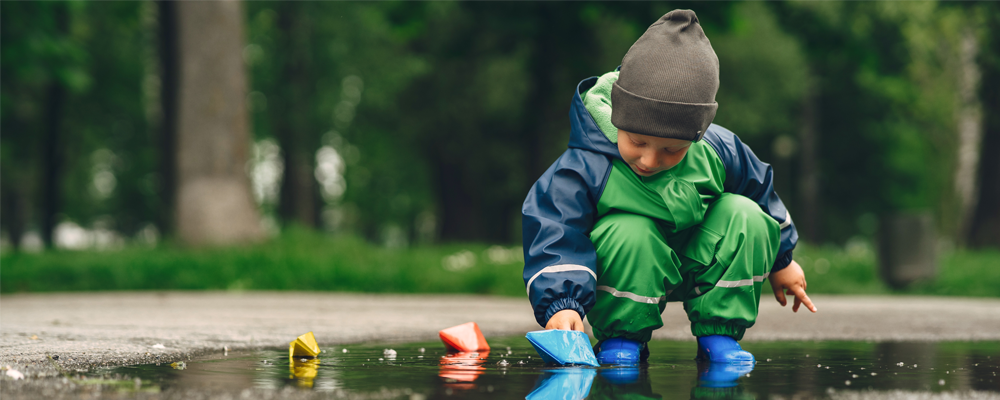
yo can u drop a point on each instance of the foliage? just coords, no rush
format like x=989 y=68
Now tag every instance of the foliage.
x=317 y=69
x=886 y=83
x=305 y=260
x=764 y=77
x=443 y=114
x=965 y=273
x=299 y=260
x=101 y=58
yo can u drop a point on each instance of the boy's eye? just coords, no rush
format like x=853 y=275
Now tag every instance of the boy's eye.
x=636 y=143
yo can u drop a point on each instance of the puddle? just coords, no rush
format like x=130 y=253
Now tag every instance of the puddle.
x=512 y=369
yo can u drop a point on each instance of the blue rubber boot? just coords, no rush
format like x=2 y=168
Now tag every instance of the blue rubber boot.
x=620 y=351
x=721 y=349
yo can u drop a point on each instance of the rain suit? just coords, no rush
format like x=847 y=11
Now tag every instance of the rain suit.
x=616 y=247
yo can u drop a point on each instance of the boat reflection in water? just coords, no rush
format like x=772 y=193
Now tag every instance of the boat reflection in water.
x=715 y=380
x=460 y=370
x=304 y=371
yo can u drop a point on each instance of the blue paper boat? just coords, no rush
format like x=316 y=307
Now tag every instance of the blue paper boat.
x=563 y=347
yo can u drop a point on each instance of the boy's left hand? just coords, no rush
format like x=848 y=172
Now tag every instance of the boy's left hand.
x=791 y=281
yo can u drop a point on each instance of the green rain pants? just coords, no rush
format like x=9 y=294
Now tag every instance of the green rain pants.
x=716 y=268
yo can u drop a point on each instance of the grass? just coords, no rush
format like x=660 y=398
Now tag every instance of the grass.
x=302 y=260
x=852 y=269
x=298 y=260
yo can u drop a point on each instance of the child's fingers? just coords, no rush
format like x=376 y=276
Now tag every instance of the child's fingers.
x=780 y=296
x=808 y=302
x=567 y=320
x=801 y=296
x=798 y=302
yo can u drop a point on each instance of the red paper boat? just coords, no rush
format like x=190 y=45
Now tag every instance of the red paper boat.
x=465 y=337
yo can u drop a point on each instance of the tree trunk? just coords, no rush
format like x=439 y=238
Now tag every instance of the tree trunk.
x=214 y=204
x=970 y=131
x=984 y=227
x=15 y=211
x=51 y=156
x=299 y=190
x=461 y=217
x=807 y=217
x=169 y=83
x=985 y=224
x=907 y=248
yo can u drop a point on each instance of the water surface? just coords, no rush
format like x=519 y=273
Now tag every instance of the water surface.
x=512 y=369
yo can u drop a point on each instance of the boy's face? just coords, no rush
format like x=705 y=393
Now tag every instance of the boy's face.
x=649 y=155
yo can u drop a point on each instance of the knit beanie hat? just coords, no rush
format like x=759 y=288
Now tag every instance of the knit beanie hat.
x=668 y=81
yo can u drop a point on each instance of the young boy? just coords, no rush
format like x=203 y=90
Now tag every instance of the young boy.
x=652 y=203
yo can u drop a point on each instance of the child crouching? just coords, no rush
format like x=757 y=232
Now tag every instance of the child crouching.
x=653 y=203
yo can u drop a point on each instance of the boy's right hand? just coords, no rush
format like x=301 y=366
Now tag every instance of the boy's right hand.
x=791 y=281
x=568 y=320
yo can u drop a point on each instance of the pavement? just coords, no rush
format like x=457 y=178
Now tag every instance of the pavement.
x=81 y=331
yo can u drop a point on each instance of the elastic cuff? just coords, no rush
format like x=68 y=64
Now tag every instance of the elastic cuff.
x=731 y=329
x=564 y=303
x=782 y=262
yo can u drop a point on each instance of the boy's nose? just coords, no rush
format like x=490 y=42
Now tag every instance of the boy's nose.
x=651 y=161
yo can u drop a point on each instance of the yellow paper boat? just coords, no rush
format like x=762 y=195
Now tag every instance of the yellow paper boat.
x=304 y=346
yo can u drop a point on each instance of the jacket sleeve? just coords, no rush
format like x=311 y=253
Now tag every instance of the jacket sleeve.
x=560 y=262
x=749 y=176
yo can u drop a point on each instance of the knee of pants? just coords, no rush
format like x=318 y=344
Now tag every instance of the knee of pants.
x=734 y=208
x=626 y=232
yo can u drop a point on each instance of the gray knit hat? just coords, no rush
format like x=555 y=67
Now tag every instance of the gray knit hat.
x=668 y=81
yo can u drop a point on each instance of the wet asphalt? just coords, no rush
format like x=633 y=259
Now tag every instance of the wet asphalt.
x=52 y=337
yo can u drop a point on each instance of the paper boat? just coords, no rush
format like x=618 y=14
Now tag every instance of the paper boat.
x=465 y=337
x=563 y=347
x=304 y=346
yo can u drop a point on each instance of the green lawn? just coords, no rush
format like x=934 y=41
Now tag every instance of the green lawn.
x=853 y=270
x=301 y=260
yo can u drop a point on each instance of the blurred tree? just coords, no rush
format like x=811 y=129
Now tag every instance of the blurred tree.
x=969 y=126
x=984 y=229
x=111 y=155
x=24 y=87
x=292 y=114
x=99 y=168
x=325 y=79
x=494 y=109
x=42 y=65
x=888 y=66
x=52 y=160
x=214 y=204
x=414 y=120
x=764 y=82
x=168 y=69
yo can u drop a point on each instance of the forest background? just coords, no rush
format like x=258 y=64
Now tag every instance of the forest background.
x=388 y=146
